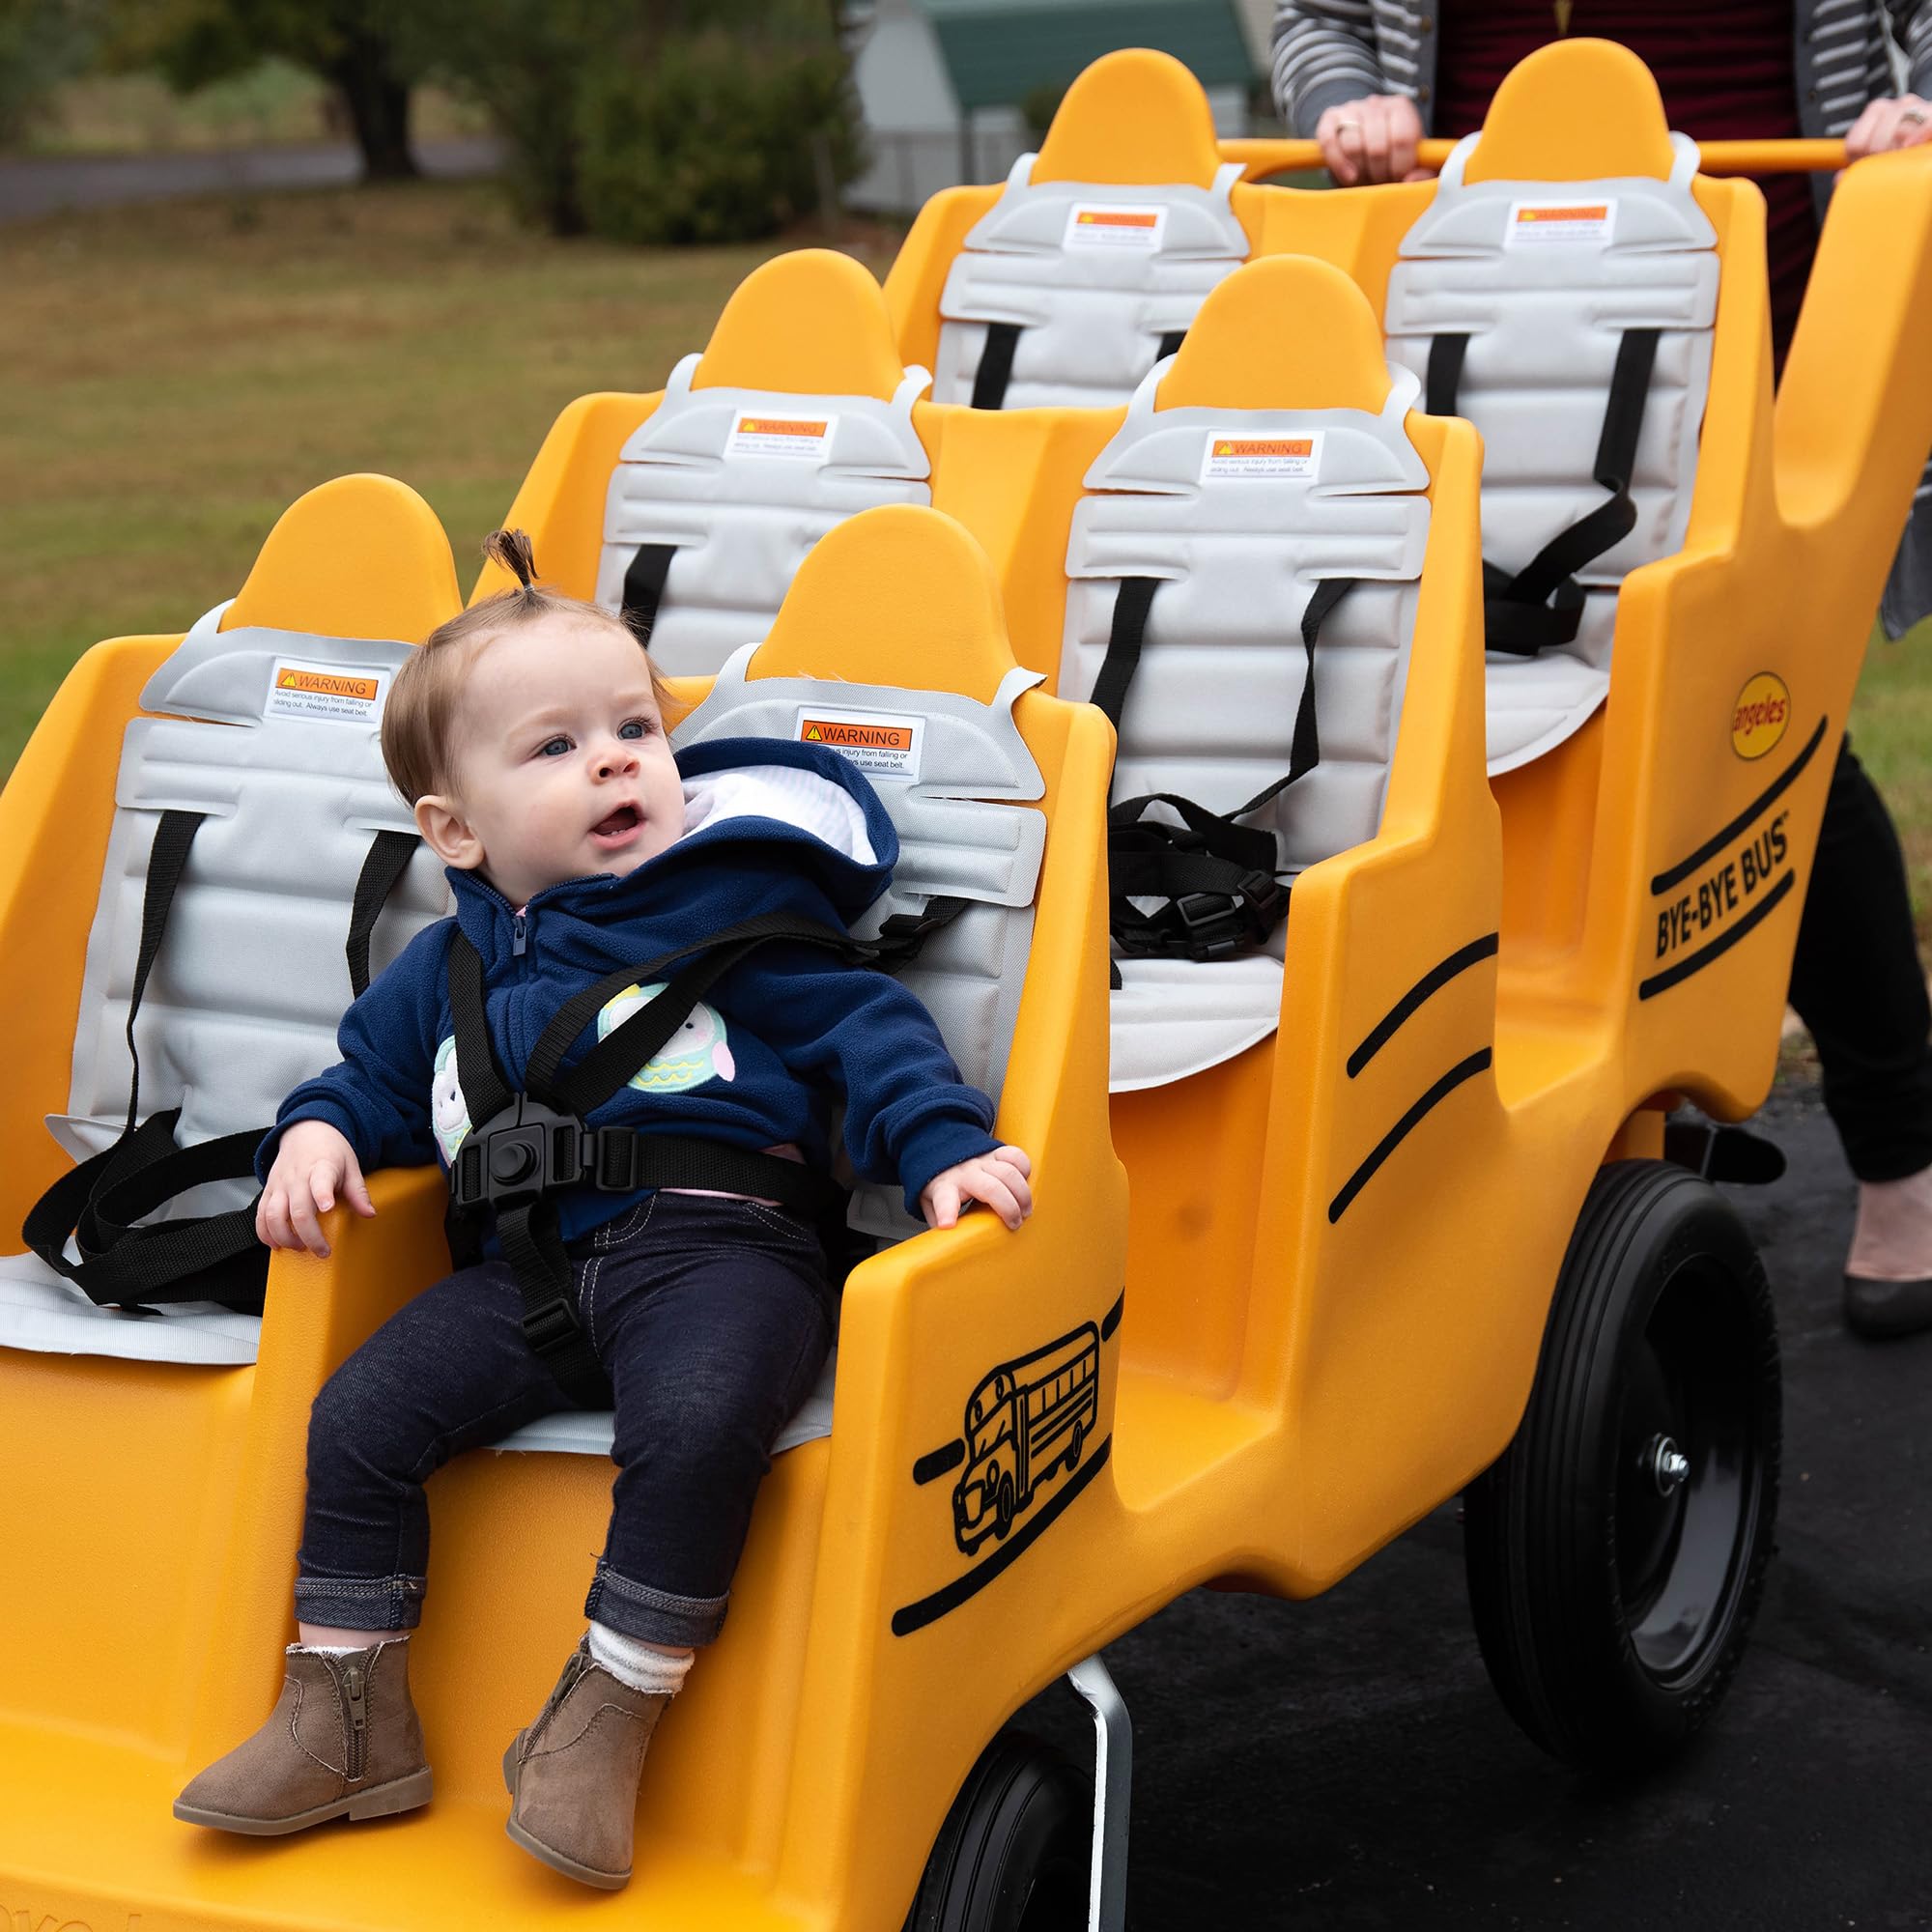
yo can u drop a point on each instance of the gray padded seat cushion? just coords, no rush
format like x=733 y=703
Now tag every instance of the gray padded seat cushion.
x=1094 y=298
x=251 y=980
x=965 y=830
x=1210 y=713
x=742 y=518
x=1544 y=319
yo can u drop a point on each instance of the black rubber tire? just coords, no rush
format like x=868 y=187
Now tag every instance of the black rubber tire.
x=1013 y=1854
x=1612 y=1614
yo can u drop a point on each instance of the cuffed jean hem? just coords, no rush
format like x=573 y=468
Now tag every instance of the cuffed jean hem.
x=656 y=1616
x=361 y=1603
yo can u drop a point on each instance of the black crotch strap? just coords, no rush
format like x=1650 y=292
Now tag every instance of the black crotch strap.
x=1216 y=875
x=1540 y=606
x=996 y=365
x=529 y=1146
x=644 y=587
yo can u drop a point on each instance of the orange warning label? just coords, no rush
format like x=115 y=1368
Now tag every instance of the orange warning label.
x=328 y=684
x=1230 y=455
x=1113 y=225
x=843 y=733
x=1268 y=445
x=318 y=691
x=882 y=744
x=1597 y=210
x=808 y=438
x=1537 y=223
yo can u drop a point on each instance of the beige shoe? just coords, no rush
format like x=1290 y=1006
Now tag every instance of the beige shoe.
x=343 y=1741
x=573 y=1775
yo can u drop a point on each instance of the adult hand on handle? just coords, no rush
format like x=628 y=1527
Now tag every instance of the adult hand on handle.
x=1903 y=121
x=1373 y=139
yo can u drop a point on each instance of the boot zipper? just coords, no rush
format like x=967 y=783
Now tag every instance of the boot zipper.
x=354 y=1686
x=571 y=1671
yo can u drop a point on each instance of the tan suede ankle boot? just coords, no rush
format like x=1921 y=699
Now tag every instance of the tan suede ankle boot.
x=573 y=1775
x=343 y=1741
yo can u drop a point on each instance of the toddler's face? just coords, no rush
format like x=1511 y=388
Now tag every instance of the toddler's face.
x=561 y=765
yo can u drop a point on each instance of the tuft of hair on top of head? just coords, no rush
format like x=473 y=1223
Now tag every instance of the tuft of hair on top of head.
x=419 y=720
x=512 y=549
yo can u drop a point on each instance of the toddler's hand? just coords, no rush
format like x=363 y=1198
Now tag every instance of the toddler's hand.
x=313 y=1164
x=998 y=1179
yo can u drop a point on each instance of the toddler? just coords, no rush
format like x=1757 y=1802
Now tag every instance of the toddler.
x=528 y=735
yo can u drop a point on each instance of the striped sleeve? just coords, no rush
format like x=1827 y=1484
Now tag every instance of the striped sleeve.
x=1325 y=53
x=1912 y=22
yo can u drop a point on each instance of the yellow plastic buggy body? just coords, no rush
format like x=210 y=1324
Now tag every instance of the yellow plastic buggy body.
x=1278 y=1310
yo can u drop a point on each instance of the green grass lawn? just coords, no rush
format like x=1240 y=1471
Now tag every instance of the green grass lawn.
x=178 y=374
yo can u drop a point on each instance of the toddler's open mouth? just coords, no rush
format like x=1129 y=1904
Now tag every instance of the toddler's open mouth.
x=620 y=828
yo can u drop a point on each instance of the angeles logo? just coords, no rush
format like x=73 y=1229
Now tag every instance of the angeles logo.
x=1758 y=717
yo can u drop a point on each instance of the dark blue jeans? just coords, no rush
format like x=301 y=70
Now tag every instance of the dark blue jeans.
x=712 y=1319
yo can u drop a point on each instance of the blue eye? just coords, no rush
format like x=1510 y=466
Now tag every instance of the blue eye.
x=633 y=727
x=554 y=748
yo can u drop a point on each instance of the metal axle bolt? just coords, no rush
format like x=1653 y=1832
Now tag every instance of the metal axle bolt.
x=1667 y=1464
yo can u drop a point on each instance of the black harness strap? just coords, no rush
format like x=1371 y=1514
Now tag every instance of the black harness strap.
x=1540 y=606
x=388 y=861
x=1217 y=876
x=97 y=1199
x=996 y=365
x=526 y=1146
x=644 y=586
x=202 y=1257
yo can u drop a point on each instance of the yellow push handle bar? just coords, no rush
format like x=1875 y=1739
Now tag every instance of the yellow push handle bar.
x=1259 y=157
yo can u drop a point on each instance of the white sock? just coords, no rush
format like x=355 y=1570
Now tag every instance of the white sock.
x=645 y=1668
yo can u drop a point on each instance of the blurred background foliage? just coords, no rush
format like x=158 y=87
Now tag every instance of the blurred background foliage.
x=645 y=121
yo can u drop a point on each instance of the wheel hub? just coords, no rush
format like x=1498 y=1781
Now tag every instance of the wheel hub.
x=1666 y=1463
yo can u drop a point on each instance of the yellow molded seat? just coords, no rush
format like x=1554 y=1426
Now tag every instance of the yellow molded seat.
x=842 y=1693
x=693 y=505
x=1064 y=285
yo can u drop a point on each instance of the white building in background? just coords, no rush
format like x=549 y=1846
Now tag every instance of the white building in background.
x=944 y=84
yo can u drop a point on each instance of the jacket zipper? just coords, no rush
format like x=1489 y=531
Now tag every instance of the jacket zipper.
x=355 y=1701
x=519 y=933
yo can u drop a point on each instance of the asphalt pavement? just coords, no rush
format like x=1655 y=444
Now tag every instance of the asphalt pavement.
x=1345 y=1763
x=36 y=185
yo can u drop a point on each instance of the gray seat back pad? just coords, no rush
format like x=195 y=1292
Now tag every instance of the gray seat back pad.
x=743 y=482
x=1093 y=273
x=1240 y=515
x=958 y=801
x=251 y=980
x=1545 y=278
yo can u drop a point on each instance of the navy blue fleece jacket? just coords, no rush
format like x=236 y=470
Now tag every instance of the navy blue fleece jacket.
x=756 y=1066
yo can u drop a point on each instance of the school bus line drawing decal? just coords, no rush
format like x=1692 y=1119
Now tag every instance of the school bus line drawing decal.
x=1027 y=1418
x=1026 y=1421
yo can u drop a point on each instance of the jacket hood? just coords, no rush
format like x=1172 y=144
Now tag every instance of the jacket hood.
x=802 y=807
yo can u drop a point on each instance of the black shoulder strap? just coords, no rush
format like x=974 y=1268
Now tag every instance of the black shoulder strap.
x=1540 y=606
x=389 y=859
x=996 y=365
x=213 y=1256
x=644 y=586
x=1217 y=876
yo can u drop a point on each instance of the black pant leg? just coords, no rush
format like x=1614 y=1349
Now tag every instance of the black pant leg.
x=1859 y=986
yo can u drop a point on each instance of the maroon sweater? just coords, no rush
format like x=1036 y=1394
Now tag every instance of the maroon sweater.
x=1724 y=68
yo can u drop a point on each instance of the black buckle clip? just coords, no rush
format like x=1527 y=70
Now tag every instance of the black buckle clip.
x=527 y=1151
x=550 y=1325
x=1217 y=926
